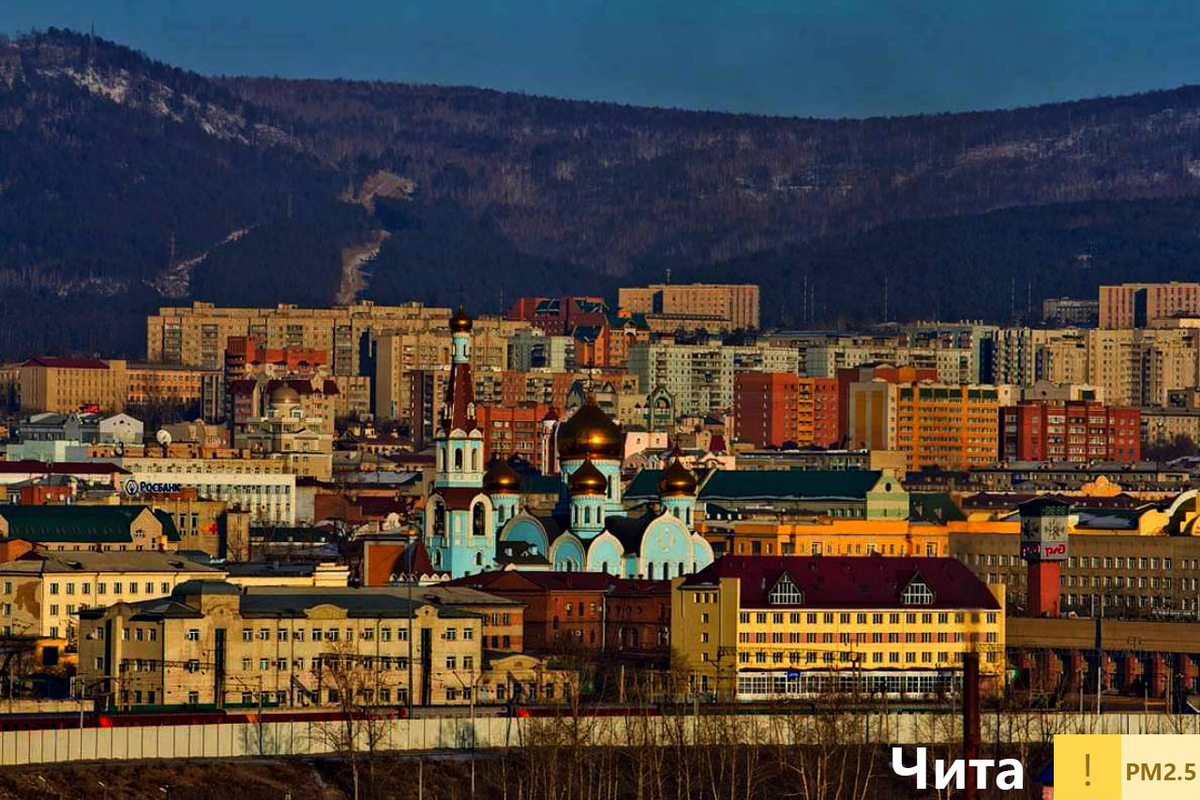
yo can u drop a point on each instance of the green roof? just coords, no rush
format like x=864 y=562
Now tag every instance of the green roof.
x=71 y=523
x=936 y=507
x=168 y=525
x=644 y=484
x=791 y=484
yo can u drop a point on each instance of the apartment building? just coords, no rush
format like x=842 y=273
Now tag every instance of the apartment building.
x=606 y=344
x=212 y=643
x=717 y=307
x=533 y=348
x=940 y=425
x=756 y=628
x=771 y=409
x=701 y=376
x=197 y=335
x=1136 y=305
x=1072 y=431
x=397 y=355
x=520 y=429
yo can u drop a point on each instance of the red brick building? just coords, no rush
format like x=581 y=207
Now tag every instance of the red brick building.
x=773 y=408
x=586 y=610
x=513 y=429
x=557 y=316
x=1079 y=431
x=765 y=407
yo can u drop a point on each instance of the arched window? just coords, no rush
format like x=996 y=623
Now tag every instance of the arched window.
x=479 y=559
x=587 y=516
x=688 y=513
x=610 y=488
x=474 y=460
x=478 y=518
x=604 y=566
x=458 y=461
x=441 y=459
x=500 y=514
x=439 y=519
x=650 y=570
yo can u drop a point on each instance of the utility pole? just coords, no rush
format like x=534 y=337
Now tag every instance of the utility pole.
x=970 y=711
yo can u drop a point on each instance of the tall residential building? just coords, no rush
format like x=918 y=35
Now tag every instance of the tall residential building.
x=197 y=335
x=773 y=409
x=522 y=429
x=765 y=408
x=1136 y=305
x=397 y=354
x=717 y=307
x=950 y=426
x=700 y=377
x=606 y=344
x=533 y=348
x=1071 y=431
x=866 y=373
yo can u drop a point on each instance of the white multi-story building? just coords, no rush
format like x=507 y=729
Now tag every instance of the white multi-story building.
x=701 y=377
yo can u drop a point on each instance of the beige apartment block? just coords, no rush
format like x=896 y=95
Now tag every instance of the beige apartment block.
x=398 y=354
x=197 y=335
x=728 y=306
x=1137 y=305
x=212 y=643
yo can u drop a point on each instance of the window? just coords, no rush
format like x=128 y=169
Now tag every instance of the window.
x=247 y=635
x=193 y=698
x=469 y=663
x=451 y=634
x=193 y=634
x=451 y=662
x=283 y=634
x=917 y=594
x=53 y=588
x=468 y=634
x=245 y=665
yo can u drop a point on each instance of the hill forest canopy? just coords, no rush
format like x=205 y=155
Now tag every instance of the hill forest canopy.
x=126 y=184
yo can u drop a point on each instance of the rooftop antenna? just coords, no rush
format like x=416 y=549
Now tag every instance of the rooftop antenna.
x=668 y=275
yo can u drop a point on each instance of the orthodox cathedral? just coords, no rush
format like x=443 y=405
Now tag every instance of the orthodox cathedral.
x=474 y=518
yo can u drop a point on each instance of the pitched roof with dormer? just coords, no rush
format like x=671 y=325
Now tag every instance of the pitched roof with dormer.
x=851 y=582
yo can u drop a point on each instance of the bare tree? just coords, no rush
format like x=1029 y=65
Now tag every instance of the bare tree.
x=353 y=683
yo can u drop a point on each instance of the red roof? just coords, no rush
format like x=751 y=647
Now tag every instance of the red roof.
x=66 y=363
x=850 y=582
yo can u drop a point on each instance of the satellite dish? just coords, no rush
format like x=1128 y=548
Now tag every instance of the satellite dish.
x=163 y=438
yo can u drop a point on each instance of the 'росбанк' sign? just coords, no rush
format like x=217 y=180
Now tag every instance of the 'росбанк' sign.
x=134 y=487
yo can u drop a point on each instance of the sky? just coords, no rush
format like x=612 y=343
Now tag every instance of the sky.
x=811 y=58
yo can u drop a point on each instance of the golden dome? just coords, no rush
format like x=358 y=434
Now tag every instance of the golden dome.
x=587 y=480
x=676 y=481
x=460 y=322
x=500 y=478
x=590 y=432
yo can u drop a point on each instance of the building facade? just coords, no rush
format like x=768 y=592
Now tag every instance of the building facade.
x=1072 y=431
x=760 y=628
x=725 y=307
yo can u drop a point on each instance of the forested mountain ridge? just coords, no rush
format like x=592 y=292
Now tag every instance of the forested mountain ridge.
x=126 y=184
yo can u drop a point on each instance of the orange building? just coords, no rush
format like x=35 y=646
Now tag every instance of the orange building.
x=772 y=408
x=607 y=343
x=871 y=372
x=513 y=429
x=955 y=426
x=765 y=407
x=817 y=412
x=243 y=354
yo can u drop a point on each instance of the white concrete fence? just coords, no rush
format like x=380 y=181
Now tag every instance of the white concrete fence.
x=272 y=739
